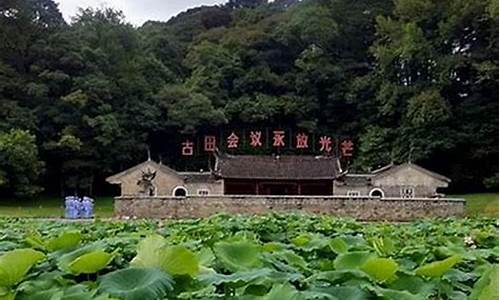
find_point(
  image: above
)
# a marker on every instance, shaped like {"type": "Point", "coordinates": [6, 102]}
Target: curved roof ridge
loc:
{"type": "Point", "coordinates": [391, 168]}
{"type": "Point", "coordinates": [116, 177]}
{"type": "Point", "coordinates": [277, 167]}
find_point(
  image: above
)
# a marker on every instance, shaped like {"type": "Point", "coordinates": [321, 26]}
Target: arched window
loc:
{"type": "Point", "coordinates": [377, 193]}
{"type": "Point", "coordinates": [179, 191]}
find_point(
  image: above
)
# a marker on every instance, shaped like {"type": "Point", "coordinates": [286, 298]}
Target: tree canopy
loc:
{"type": "Point", "coordinates": [407, 79]}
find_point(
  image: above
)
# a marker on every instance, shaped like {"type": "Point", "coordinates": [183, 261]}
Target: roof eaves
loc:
{"type": "Point", "coordinates": [430, 173]}
{"type": "Point", "coordinates": [383, 169]}
{"type": "Point", "coordinates": [115, 179]}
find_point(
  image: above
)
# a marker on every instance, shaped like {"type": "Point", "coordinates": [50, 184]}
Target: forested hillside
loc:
{"type": "Point", "coordinates": [407, 79]}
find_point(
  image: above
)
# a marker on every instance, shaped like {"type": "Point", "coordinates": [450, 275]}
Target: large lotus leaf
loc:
{"type": "Point", "coordinates": [389, 294]}
{"type": "Point", "coordinates": [279, 277]}
{"type": "Point", "coordinates": [273, 247]}
{"type": "Point", "coordinates": [283, 291]}
{"type": "Point", "coordinates": [75, 292]}
{"type": "Point", "coordinates": [486, 288]}
{"type": "Point", "coordinates": [338, 245]}
{"type": "Point", "coordinates": [35, 240]}
{"type": "Point", "coordinates": [207, 292]}
{"type": "Point", "coordinates": [380, 269]}
{"type": "Point", "coordinates": [292, 259]}
{"type": "Point", "coordinates": [15, 264]}
{"type": "Point", "coordinates": [451, 249]}
{"type": "Point", "coordinates": [7, 246]}
{"type": "Point", "coordinates": [414, 284]}
{"type": "Point", "coordinates": [78, 292]}
{"type": "Point", "coordinates": [338, 292]}
{"type": "Point", "coordinates": [136, 284]}
{"type": "Point", "coordinates": [148, 252]}
{"type": "Point", "coordinates": [42, 294]}
{"type": "Point", "coordinates": [261, 276]}
{"type": "Point", "coordinates": [310, 242]}
{"type": "Point", "coordinates": [67, 240]}
{"type": "Point", "coordinates": [301, 240]}
{"type": "Point", "coordinates": [66, 259]}
{"type": "Point", "coordinates": [91, 262]}
{"type": "Point", "coordinates": [44, 286]}
{"type": "Point", "coordinates": [178, 260]}
{"type": "Point", "coordinates": [6, 294]}
{"type": "Point", "coordinates": [338, 276]}
{"type": "Point", "coordinates": [206, 257]}
{"type": "Point", "coordinates": [240, 255]}
{"type": "Point", "coordinates": [438, 268]}
{"type": "Point", "coordinates": [212, 278]}
{"type": "Point", "coordinates": [351, 260]}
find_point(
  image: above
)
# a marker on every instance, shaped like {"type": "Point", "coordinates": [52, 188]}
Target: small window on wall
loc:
{"type": "Point", "coordinates": [353, 193]}
{"type": "Point", "coordinates": [179, 191]}
{"type": "Point", "coordinates": [202, 192]}
{"type": "Point", "coordinates": [407, 192]}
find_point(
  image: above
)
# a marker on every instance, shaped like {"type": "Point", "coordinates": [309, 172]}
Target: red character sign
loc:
{"type": "Point", "coordinates": [302, 141]}
{"type": "Point", "coordinates": [187, 148]}
{"type": "Point", "coordinates": [346, 148]}
{"type": "Point", "coordinates": [210, 143]}
{"type": "Point", "coordinates": [326, 144]}
{"type": "Point", "coordinates": [279, 138]}
{"type": "Point", "coordinates": [232, 140]}
{"type": "Point", "coordinates": [255, 138]}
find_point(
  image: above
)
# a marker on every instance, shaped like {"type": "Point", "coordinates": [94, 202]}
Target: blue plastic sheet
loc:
{"type": "Point", "coordinates": [86, 208]}
{"type": "Point", "coordinates": [78, 208]}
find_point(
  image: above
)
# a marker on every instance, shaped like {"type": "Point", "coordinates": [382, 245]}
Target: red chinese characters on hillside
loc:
{"type": "Point", "coordinates": [346, 148]}
{"type": "Point", "coordinates": [278, 138]}
{"type": "Point", "coordinates": [325, 144]}
{"type": "Point", "coordinates": [301, 141]}
{"type": "Point", "coordinates": [187, 148]}
{"type": "Point", "coordinates": [255, 138]}
{"type": "Point", "coordinates": [232, 140]}
{"type": "Point", "coordinates": [210, 143]}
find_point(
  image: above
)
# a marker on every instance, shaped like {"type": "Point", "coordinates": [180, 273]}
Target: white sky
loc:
{"type": "Point", "coordinates": [136, 11]}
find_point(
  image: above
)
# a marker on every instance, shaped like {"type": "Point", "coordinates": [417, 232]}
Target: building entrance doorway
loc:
{"type": "Point", "coordinates": [278, 189]}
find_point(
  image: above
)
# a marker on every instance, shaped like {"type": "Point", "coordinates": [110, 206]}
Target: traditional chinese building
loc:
{"type": "Point", "coordinates": [279, 175]}
{"type": "Point", "coordinates": [276, 175]}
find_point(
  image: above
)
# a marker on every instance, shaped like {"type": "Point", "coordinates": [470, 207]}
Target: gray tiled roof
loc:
{"type": "Point", "coordinates": [276, 167]}
{"type": "Point", "coordinates": [197, 177]}
{"type": "Point", "coordinates": [357, 179]}
{"type": "Point", "coordinates": [391, 168]}
{"type": "Point", "coordinates": [148, 163]}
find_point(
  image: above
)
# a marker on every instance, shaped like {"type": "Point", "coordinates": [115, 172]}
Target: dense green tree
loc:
{"type": "Point", "coordinates": [434, 59]}
{"type": "Point", "coordinates": [407, 79]}
{"type": "Point", "coordinates": [188, 109]}
{"type": "Point", "coordinates": [19, 163]}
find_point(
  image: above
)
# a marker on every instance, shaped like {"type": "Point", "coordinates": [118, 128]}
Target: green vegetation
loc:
{"type": "Point", "coordinates": [481, 204]}
{"type": "Point", "coordinates": [404, 78]}
{"type": "Point", "coordinates": [255, 258]}
{"type": "Point", "coordinates": [50, 207]}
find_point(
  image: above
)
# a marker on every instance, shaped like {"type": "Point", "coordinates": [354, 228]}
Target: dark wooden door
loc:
{"type": "Point", "coordinates": [278, 188]}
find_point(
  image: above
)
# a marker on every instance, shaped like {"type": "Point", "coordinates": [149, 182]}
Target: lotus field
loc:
{"type": "Point", "coordinates": [275, 257]}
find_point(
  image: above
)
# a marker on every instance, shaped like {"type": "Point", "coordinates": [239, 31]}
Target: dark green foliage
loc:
{"type": "Point", "coordinates": [408, 80]}
{"type": "Point", "coordinates": [19, 163]}
{"type": "Point", "coordinates": [275, 257]}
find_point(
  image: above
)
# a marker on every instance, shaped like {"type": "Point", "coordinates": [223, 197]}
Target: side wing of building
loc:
{"type": "Point", "coordinates": [166, 181]}
{"type": "Point", "coordinates": [397, 181]}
